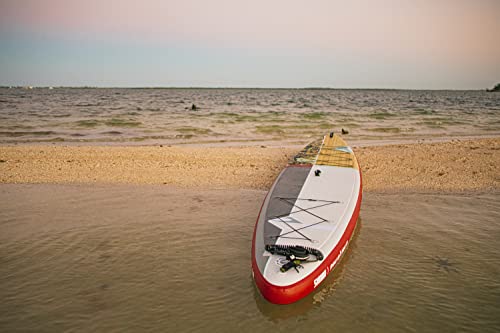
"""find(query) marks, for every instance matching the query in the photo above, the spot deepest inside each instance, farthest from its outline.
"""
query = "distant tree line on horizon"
(495, 88)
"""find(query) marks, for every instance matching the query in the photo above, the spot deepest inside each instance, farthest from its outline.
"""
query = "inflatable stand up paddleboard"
(306, 221)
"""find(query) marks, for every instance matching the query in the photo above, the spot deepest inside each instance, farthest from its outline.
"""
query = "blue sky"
(358, 44)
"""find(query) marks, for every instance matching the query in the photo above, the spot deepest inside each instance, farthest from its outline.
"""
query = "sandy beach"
(102, 231)
(84, 236)
(453, 166)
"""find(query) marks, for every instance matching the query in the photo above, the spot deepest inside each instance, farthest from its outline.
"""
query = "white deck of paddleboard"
(334, 184)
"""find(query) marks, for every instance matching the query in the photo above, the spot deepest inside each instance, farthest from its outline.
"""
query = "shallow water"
(251, 116)
(115, 258)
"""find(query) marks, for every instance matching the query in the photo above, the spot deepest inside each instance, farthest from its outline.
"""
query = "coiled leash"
(295, 254)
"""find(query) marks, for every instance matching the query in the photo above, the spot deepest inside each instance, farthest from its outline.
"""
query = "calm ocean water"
(154, 258)
(153, 116)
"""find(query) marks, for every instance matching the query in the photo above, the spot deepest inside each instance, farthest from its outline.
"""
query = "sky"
(402, 44)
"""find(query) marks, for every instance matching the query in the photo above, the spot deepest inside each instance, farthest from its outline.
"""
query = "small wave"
(86, 105)
(19, 133)
(118, 122)
(88, 123)
(112, 132)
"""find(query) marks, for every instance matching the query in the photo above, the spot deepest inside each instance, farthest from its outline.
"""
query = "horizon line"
(28, 87)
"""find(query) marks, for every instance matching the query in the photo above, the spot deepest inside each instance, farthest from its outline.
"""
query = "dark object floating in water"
(194, 107)
(495, 88)
(344, 131)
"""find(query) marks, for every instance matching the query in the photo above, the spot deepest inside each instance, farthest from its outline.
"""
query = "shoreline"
(354, 141)
(456, 166)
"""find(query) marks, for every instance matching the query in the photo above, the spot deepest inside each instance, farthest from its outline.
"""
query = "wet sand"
(453, 166)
